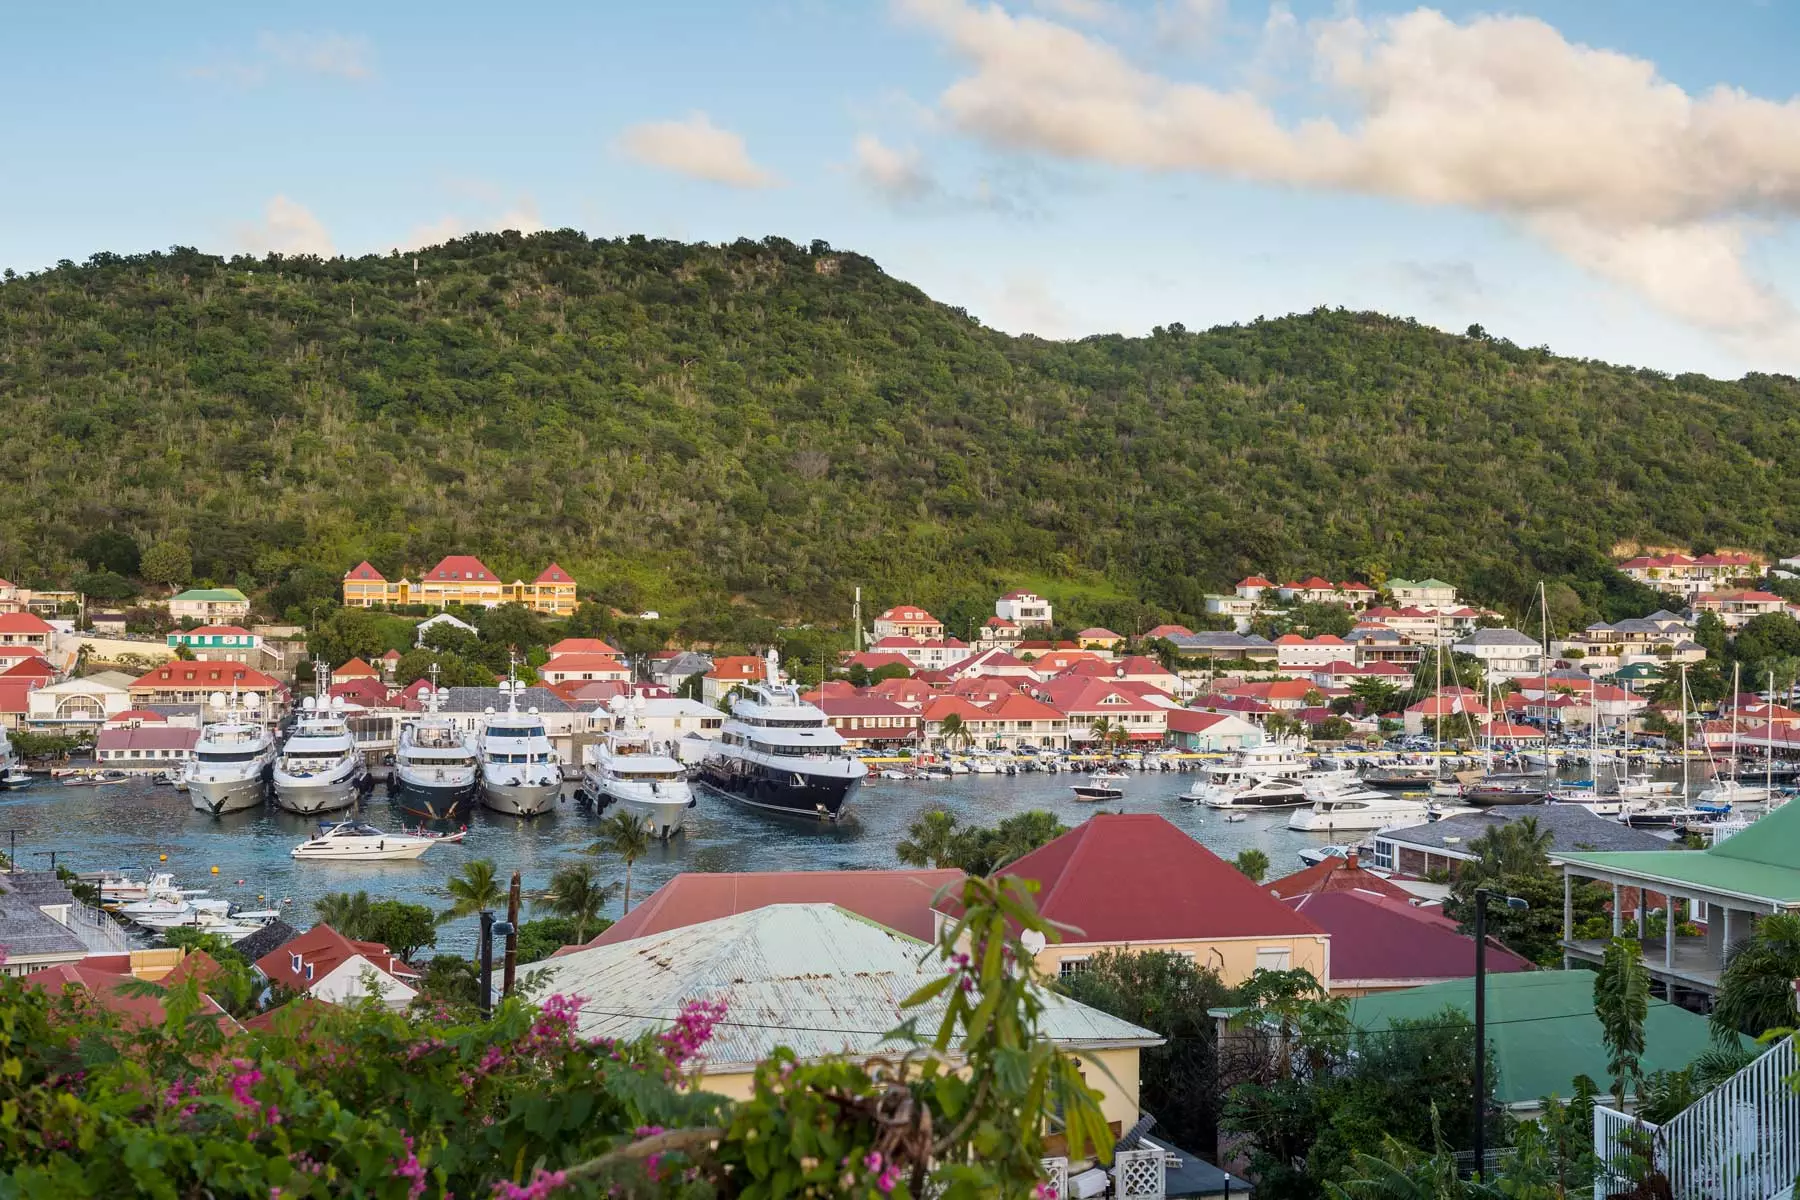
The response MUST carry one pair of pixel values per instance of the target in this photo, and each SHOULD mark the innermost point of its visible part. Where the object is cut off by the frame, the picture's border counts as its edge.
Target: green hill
(684, 426)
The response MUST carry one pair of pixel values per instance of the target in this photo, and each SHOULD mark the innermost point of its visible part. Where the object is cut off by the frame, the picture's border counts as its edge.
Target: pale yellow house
(815, 978)
(1135, 882)
(461, 579)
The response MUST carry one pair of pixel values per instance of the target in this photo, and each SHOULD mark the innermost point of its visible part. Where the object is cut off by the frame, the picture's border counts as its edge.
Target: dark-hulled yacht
(778, 752)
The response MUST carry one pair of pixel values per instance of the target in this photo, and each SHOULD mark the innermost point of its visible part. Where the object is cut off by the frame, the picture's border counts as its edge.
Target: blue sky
(1563, 173)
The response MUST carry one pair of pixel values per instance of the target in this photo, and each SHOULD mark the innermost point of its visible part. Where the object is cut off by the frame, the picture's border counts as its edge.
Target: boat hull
(521, 799)
(382, 851)
(661, 807)
(1096, 794)
(1297, 800)
(1353, 822)
(758, 786)
(217, 796)
(311, 794)
(1482, 797)
(432, 799)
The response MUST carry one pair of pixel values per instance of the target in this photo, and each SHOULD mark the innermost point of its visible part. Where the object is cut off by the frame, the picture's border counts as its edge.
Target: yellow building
(461, 579)
(815, 978)
(1135, 882)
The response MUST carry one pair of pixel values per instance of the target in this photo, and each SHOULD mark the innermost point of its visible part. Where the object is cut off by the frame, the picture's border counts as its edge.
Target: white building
(1504, 653)
(81, 704)
(907, 621)
(1024, 609)
(1293, 652)
(1424, 593)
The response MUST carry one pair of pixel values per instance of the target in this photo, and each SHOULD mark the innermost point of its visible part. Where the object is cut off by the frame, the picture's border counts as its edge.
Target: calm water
(130, 825)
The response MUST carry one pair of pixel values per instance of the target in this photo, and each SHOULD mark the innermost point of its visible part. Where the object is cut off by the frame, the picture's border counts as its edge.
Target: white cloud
(1091, 11)
(1188, 24)
(286, 228)
(333, 55)
(521, 215)
(697, 148)
(895, 175)
(1025, 303)
(1622, 171)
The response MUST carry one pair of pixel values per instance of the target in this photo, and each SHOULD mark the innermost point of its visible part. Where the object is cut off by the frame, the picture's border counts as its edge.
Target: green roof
(1417, 583)
(213, 594)
(1541, 1028)
(1761, 862)
(1638, 670)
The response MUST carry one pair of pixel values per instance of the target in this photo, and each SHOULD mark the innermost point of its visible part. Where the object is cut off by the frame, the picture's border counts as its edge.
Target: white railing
(1741, 1141)
(1610, 1126)
(1056, 1178)
(1140, 1174)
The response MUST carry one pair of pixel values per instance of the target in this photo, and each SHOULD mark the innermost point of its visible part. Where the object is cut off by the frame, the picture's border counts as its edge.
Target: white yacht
(1356, 807)
(232, 760)
(1276, 761)
(1263, 793)
(778, 752)
(435, 767)
(520, 774)
(354, 841)
(635, 772)
(319, 768)
(12, 771)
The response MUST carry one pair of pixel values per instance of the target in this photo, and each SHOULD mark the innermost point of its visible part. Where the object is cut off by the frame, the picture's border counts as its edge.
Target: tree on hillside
(512, 626)
(167, 563)
(111, 551)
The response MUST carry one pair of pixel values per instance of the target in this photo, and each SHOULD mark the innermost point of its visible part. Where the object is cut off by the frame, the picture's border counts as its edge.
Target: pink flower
(692, 1029)
(889, 1178)
(542, 1183)
(872, 1161)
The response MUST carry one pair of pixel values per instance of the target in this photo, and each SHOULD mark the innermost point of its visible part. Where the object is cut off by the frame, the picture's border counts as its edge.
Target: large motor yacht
(232, 760)
(778, 752)
(1277, 762)
(319, 768)
(435, 767)
(520, 773)
(629, 768)
(1356, 807)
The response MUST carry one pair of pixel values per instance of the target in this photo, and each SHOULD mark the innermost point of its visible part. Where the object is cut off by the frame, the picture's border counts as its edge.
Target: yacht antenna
(435, 700)
(512, 682)
(856, 619)
(320, 675)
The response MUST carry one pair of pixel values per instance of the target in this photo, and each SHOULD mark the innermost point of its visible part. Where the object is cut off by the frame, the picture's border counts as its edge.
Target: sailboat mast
(1684, 735)
(1769, 744)
(1737, 676)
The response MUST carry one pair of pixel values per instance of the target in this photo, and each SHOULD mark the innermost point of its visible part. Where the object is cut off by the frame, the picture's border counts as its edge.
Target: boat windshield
(225, 756)
(516, 731)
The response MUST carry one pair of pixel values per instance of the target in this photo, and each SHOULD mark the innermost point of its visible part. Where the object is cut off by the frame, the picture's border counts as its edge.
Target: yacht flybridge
(233, 760)
(778, 752)
(520, 774)
(630, 769)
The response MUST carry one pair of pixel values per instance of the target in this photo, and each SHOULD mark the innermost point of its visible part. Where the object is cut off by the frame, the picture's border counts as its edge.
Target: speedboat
(779, 753)
(1400, 775)
(631, 770)
(319, 768)
(1100, 786)
(1246, 768)
(231, 765)
(520, 774)
(1312, 856)
(357, 841)
(1733, 792)
(435, 767)
(1500, 790)
(1356, 808)
(12, 771)
(1266, 793)
(95, 778)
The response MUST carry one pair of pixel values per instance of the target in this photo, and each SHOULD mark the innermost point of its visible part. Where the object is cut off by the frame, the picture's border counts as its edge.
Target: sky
(1616, 179)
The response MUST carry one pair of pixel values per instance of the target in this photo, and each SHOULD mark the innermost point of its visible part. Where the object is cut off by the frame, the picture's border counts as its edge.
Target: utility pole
(486, 998)
(512, 938)
(856, 619)
(1482, 896)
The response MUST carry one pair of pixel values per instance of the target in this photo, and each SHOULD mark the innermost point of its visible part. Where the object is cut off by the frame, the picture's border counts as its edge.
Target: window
(1071, 966)
(1273, 958)
(295, 962)
(309, 976)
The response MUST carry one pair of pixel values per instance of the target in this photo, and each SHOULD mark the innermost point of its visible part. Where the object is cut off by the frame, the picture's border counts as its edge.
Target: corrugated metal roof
(812, 977)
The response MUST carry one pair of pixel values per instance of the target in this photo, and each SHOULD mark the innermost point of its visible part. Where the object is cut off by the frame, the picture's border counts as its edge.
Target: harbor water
(131, 826)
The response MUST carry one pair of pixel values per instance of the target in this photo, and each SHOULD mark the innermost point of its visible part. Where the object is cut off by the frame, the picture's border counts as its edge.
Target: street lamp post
(490, 927)
(1482, 895)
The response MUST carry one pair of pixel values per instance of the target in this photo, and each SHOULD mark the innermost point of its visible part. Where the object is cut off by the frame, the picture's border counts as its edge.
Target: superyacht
(520, 774)
(232, 761)
(632, 770)
(319, 768)
(435, 767)
(778, 752)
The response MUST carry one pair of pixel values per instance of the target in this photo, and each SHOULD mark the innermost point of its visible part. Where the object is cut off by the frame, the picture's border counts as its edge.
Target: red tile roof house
(15, 695)
(900, 900)
(25, 629)
(584, 667)
(1380, 943)
(586, 645)
(325, 965)
(145, 748)
(356, 668)
(1136, 882)
(1336, 875)
(196, 682)
(908, 621)
(120, 993)
(1086, 701)
(731, 672)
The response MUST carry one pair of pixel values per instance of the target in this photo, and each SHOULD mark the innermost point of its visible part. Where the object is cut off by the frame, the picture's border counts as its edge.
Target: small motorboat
(1098, 788)
(1234, 817)
(357, 841)
(95, 779)
(1312, 856)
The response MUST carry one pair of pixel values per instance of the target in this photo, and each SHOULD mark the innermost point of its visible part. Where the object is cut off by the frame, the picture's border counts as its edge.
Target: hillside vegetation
(684, 426)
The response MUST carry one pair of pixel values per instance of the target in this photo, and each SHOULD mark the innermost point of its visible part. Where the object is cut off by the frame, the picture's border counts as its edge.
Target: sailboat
(1508, 788)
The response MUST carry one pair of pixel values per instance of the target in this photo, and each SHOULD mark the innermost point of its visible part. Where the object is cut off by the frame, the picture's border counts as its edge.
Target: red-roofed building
(1053, 661)
(1017, 719)
(1513, 735)
(15, 691)
(1210, 732)
(869, 722)
(12, 656)
(363, 693)
(462, 579)
(996, 663)
(219, 643)
(729, 673)
(1312, 590)
(356, 668)
(1169, 631)
(1134, 668)
(1690, 575)
(1735, 609)
(972, 716)
(1281, 695)
(913, 693)
(999, 631)
(325, 965)
(1446, 706)
(121, 995)
(873, 660)
(390, 662)
(25, 630)
(1098, 638)
(196, 682)
(927, 654)
(900, 900)
(141, 748)
(1088, 701)
(552, 592)
(907, 621)
(1293, 652)
(1137, 882)
(32, 667)
(1028, 610)
(1336, 874)
(585, 668)
(1252, 587)
(582, 645)
(1379, 943)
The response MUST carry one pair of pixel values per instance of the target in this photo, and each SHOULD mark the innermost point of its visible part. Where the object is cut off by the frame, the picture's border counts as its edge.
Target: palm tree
(1102, 731)
(347, 912)
(1253, 862)
(574, 893)
(623, 834)
(1756, 990)
(1621, 1002)
(931, 840)
(952, 729)
(477, 888)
